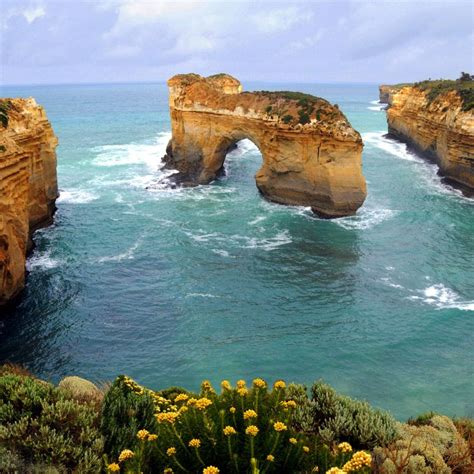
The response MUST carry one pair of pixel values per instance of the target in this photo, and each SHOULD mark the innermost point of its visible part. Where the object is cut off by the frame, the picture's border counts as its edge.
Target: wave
(77, 196)
(442, 297)
(366, 218)
(395, 148)
(148, 154)
(376, 102)
(222, 253)
(244, 146)
(127, 255)
(41, 260)
(201, 295)
(377, 108)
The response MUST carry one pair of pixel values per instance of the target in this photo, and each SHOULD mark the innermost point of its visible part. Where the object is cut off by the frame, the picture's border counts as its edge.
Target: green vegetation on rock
(5, 106)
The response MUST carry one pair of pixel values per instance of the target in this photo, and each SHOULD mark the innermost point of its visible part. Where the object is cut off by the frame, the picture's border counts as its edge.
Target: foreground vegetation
(254, 428)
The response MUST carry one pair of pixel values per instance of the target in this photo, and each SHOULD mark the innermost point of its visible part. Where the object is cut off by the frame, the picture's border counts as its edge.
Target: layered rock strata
(311, 154)
(28, 186)
(438, 128)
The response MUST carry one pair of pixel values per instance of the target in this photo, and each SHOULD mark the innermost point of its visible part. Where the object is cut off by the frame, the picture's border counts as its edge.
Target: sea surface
(176, 286)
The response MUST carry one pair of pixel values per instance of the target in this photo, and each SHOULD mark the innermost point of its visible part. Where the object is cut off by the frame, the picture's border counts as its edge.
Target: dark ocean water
(174, 286)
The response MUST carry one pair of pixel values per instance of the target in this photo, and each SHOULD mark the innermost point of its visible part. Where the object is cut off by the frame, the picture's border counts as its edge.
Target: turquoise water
(174, 286)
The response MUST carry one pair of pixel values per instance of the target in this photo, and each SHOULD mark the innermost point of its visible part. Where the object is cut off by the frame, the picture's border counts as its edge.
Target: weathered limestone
(311, 154)
(438, 129)
(28, 186)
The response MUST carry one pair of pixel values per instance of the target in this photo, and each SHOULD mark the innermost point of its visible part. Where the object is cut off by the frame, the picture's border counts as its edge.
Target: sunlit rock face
(28, 186)
(311, 154)
(439, 129)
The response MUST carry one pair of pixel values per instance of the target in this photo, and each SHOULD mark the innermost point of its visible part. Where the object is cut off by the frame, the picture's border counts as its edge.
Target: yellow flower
(232, 410)
(270, 458)
(250, 414)
(260, 383)
(183, 409)
(229, 430)
(279, 384)
(225, 384)
(251, 430)
(291, 404)
(293, 440)
(171, 451)
(169, 417)
(242, 391)
(203, 403)
(113, 467)
(335, 470)
(306, 449)
(152, 437)
(210, 470)
(191, 401)
(344, 447)
(126, 454)
(182, 397)
(359, 460)
(168, 470)
(279, 426)
(142, 434)
(207, 387)
(195, 443)
(240, 383)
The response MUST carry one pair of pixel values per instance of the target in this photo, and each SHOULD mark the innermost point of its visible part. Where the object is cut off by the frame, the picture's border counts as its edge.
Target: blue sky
(73, 41)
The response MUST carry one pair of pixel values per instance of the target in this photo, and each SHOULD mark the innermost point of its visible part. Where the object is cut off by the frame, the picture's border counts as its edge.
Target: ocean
(175, 286)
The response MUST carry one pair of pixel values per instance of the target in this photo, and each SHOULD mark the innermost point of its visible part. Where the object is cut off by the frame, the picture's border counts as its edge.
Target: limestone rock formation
(440, 128)
(311, 154)
(386, 94)
(28, 186)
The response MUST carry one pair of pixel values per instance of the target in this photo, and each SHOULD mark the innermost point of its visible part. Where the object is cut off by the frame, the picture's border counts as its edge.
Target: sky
(90, 41)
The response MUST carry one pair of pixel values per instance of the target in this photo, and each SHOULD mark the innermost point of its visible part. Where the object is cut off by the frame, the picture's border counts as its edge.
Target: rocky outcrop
(28, 186)
(437, 126)
(386, 93)
(311, 154)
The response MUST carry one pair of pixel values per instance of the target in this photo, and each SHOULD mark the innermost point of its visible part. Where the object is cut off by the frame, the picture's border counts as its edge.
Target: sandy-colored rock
(439, 130)
(386, 93)
(316, 163)
(80, 388)
(28, 187)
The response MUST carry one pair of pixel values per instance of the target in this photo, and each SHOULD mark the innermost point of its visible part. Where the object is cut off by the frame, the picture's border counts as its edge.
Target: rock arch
(311, 154)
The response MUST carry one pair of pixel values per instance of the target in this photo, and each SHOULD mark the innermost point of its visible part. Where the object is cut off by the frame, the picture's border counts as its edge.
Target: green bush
(287, 119)
(42, 425)
(303, 117)
(240, 430)
(5, 106)
(127, 408)
(340, 418)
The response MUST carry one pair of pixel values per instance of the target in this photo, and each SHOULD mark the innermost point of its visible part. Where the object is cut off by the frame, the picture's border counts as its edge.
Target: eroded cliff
(28, 186)
(311, 154)
(437, 122)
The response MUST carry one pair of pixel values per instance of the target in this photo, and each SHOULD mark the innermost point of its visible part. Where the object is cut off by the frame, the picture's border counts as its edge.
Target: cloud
(30, 12)
(274, 21)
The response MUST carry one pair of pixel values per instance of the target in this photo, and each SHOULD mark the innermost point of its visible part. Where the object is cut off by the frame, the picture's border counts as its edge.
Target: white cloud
(273, 21)
(30, 13)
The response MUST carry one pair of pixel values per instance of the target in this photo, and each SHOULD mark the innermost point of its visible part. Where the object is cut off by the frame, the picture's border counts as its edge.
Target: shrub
(127, 408)
(5, 106)
(340, 418)
(287, 119)
(303, 117)
(240, 430)
(40, 424)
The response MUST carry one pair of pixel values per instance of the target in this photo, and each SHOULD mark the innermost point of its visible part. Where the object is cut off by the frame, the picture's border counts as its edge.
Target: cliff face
(311, 154)
(386, 93)
(28, 186)
(438, 128)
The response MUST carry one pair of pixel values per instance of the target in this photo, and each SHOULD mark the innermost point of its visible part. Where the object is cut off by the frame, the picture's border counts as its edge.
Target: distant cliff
(28, 186)
(436, 118)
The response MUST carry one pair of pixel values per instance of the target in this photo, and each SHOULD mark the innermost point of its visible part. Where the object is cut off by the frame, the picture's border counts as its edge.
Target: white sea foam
(201, 295)
(41, 260)
(389, 282)
(222, 253)
(366, 218)
(398, 149)
(243, 147)
(129, 254)
(376, 102)
(149, 153)
(257, 220)
(442, 297)
(76, 196)
(376, 108)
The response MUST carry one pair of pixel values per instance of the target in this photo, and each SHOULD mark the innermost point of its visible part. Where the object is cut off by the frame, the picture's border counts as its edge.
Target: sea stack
(311, 154)
(28, 186)
(436, 119)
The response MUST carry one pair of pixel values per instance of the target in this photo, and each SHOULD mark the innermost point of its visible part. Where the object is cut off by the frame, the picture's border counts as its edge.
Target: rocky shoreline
(28, 187)
(437, 122)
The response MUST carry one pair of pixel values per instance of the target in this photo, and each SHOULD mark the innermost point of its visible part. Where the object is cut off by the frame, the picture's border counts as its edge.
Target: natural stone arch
(311, 154)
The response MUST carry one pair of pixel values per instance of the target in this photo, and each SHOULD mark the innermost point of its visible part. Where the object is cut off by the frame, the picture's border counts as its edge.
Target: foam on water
(129, 254)
(398, 149)
(442, 297)
(366, 218)
(76, 196)
(41, 260)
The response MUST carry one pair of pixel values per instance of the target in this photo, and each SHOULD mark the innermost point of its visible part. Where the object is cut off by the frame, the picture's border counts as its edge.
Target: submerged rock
(311, 154)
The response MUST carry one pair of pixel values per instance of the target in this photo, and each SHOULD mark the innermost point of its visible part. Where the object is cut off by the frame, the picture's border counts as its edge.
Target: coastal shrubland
(245, 427)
